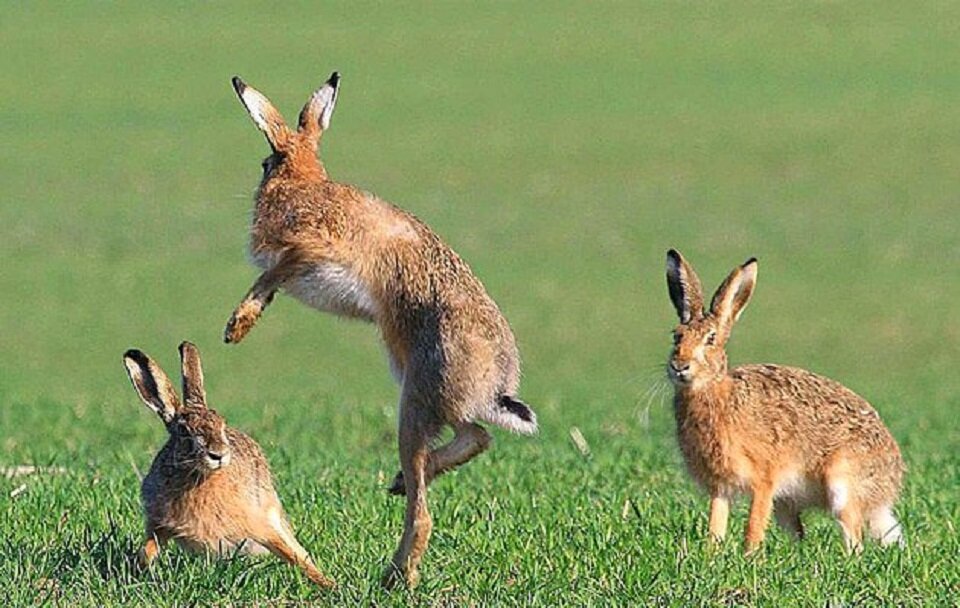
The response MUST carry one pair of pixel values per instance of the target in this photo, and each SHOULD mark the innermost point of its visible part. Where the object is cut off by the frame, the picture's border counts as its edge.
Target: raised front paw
(241, 321)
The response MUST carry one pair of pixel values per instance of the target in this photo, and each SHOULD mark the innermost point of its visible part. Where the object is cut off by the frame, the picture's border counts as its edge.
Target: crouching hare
(788, 437)
(209, 488)
(342, 250)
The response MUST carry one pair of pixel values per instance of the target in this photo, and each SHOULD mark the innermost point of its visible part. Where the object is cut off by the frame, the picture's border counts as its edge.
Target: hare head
(698, 355)
(293, 153)
(198, 434)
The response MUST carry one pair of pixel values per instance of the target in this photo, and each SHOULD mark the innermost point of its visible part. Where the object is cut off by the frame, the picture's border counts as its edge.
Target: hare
(790, 438)
(209, 487)
(342, 250)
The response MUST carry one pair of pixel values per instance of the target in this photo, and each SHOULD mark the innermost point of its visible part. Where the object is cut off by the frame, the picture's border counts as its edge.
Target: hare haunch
(209, 488)
(345, 251)
(786, 436)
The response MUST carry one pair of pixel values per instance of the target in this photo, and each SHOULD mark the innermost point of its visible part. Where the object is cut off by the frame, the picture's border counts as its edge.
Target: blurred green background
(561, 148)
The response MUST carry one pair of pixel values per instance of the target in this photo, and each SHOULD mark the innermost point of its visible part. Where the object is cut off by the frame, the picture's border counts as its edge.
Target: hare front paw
(241, 322)
(321, 581)
(398, 487)
(395, 578)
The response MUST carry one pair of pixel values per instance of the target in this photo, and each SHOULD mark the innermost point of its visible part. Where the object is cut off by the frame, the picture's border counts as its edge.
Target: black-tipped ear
(263, 113)
(684, 287)
(152, 385)
(734, 294)
(238, 86)
(191, 372)
(317, 112)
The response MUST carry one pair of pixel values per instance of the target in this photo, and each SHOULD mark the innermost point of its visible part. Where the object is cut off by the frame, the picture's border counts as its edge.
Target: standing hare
(788, 437)
(209, 487)
(345, 251)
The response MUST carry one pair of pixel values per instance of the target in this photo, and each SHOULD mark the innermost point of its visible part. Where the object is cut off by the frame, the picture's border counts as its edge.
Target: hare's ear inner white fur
(263, 113)
(684, 287)
(154, 387)
(734, 293)
(317, 112)
(192, 374)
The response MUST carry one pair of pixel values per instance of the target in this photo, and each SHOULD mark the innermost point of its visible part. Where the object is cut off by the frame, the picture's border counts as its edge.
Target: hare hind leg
(414, 439)
(469, 441)
(851, 522)
(847, 511)
(279, 539)
(843, 502)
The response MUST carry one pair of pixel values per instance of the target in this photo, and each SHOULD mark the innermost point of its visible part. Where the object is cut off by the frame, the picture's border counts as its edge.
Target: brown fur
(209, 488)
(790, 438)
(345, 251)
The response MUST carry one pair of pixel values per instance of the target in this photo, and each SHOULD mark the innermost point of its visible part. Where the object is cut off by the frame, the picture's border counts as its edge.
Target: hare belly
(800, 489)
(334, 288)
(220, 547)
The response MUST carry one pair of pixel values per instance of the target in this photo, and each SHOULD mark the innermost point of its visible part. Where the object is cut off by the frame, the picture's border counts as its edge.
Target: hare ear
(684, 287)
(733, 294)
(192, 373)
(264, 115)
(316, 113)
(154, 387)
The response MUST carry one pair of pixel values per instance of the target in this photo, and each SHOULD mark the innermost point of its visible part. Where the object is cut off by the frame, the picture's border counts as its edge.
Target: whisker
(654, 394)
(184, 463)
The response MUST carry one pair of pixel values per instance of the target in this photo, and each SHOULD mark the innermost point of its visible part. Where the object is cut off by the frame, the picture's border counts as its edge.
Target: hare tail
(513, 415)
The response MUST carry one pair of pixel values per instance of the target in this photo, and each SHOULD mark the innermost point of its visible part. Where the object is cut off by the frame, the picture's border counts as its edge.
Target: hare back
(791, 427)
(814, 414)
(366, 257)
(369, 259)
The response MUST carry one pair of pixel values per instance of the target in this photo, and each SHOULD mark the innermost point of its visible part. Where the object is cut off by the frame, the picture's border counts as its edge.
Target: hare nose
(215, 456)
(678, 367)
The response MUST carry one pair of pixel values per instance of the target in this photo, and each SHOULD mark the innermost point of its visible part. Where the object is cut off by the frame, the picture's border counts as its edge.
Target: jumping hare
(209, 488)
(788, 437)
(342, 250)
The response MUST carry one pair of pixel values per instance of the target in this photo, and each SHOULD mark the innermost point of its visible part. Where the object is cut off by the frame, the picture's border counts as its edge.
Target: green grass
(561, 149)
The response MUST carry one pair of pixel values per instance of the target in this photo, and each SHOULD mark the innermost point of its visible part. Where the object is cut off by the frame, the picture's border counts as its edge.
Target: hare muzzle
(217, 460)
(679, 372)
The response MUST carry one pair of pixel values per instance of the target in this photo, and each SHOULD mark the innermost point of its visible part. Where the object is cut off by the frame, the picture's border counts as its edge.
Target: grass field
(561, 149)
